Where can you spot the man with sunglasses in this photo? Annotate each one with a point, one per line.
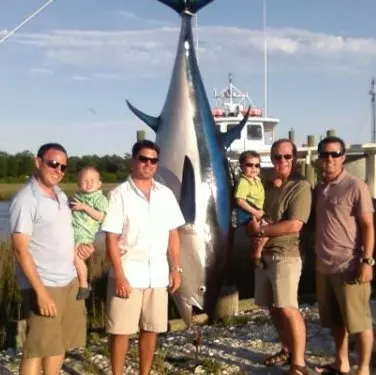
(287, 206)
(42, 238)
(143, 246)
(344, 252)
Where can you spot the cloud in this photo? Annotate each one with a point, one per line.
(134, 17)
(42, 71)
(79, 78)
(149, 52)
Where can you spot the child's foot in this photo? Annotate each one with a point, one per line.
(83, 293)
(258, 263)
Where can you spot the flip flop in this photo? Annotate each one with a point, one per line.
(329, 370)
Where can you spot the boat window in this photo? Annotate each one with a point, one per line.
(254, 132)
(231, 126)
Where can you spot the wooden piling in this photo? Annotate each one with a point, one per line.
(331, 133)
(309, 169)
(140, 135)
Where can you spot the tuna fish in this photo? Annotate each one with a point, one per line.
(194, 165)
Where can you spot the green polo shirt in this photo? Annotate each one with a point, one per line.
(251, 190)
(291, 201)
(85, 227)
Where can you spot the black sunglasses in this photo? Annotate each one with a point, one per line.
(55, 164)
(280, 157)
(333, 154)
(251, 165)
(145, 159)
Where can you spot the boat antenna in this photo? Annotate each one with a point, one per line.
(265, 61)
(372, 93)
(25, 21)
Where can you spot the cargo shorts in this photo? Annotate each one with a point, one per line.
(145, 309)
(48, 336)
(342, 299)
(276, 285)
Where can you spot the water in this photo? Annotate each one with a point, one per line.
(4, 226)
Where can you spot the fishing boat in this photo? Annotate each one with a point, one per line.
(229, 107)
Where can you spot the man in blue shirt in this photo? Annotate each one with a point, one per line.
(42, 239)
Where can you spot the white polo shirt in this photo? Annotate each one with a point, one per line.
(144, 227)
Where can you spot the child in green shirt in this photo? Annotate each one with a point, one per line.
(89, 207)
(250, 196)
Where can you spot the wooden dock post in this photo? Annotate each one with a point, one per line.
(331, 133)
(292, 135)
(371, 171)
(309, 169)
(140, 135)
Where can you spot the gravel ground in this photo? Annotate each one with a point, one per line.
(236, 346)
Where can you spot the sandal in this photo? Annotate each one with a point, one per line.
(329, 370)
(279, 359)
(297, 370)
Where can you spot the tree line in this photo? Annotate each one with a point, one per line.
(18, 167)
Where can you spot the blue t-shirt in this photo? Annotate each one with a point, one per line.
(49, 224)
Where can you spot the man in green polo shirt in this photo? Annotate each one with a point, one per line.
(287, 206)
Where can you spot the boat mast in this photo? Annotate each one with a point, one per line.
(265, 62)
(372, 93)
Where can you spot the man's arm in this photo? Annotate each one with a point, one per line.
(113, 252)
(365, 221)
(282, 228)
(122, 287)
(174, 260)
(20, 243)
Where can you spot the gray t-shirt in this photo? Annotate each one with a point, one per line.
(49, 223)
(338, 205)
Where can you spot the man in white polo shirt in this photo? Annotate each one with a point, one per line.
(143, 245)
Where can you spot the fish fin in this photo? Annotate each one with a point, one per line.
(180, 6)
(235, 132)
(153, 122)
(188, 192)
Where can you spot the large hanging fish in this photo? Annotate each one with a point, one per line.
(194, 165)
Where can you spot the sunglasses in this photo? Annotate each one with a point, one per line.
(55, 165)
(333, 154)
(251, 165)
(145, 159)
(280, 157)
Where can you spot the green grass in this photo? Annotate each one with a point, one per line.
(8, 190)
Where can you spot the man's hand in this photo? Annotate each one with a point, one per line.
(76, 205)
(175, 281)
(84, 251)
(365, 273)
(46, 305)
(122, 287)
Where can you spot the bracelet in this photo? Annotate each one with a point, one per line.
(177, 269)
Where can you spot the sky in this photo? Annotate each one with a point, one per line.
(65, 75)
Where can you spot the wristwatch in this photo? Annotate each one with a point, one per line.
(370, 261)
(177, 269)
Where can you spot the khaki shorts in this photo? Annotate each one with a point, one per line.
(145, 309)
(54, 336)
(342, 300)
(276, 285)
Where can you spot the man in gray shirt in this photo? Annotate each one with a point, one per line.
(344, 252)
(42, 239)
